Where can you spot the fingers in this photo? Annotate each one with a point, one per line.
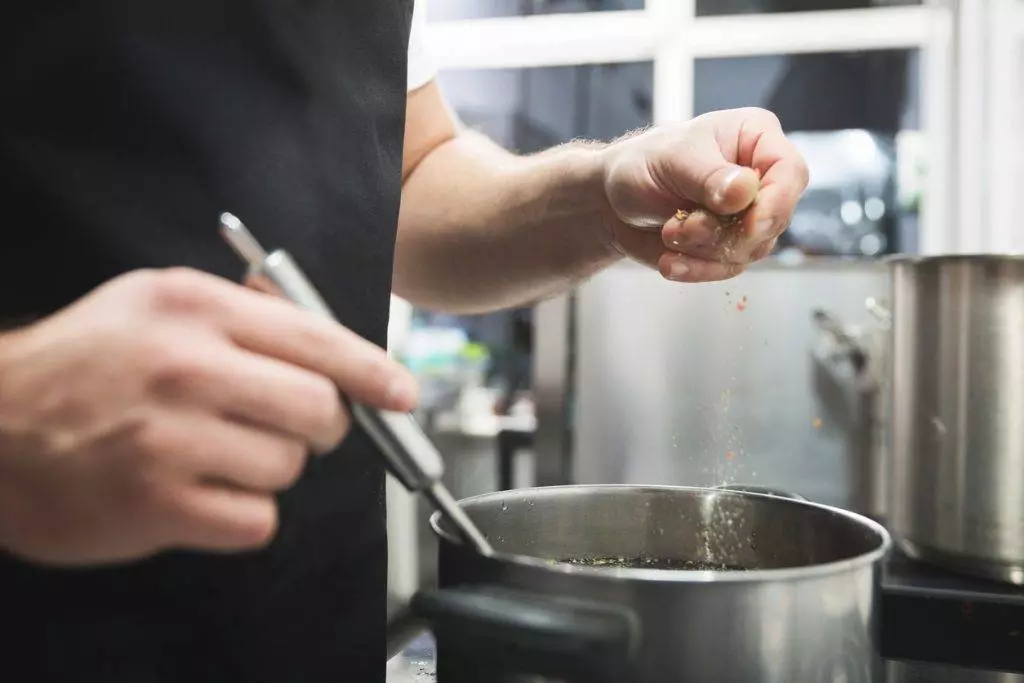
(211, 449)
(704, 236)
(784, 177)
(778, 160)
(770, 214)
(274, 327)
(223, 519)
(284, 398)
(684, 268)
(701, 173)
(764, 250)
(640, 245)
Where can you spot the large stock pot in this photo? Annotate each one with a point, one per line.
(957, 443)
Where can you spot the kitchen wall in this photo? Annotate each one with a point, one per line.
(714, 383)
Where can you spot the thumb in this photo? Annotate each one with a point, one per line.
(708, 178)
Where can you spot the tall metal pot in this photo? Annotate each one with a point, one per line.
(807, 610)
(957, 448)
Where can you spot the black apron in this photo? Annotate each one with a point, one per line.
(126, 127)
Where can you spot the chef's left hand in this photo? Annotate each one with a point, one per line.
(662, 183)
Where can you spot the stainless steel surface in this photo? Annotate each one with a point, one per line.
(552, 377)
(446, 504)
(828, 322)
(958, 402)
(278, 266)
(410, 455)
(880, 310)
(808, 613)
(761, 490)
(693, 385)
(241, 240)
(851, 363)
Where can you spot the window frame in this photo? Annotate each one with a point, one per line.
(966, 106)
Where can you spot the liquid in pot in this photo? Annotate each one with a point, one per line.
(651, 563)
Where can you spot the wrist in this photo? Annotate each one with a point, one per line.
(587, 164)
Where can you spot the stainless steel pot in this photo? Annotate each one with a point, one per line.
(806, 609)
(957, 425)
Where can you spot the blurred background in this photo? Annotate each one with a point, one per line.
(908, 113)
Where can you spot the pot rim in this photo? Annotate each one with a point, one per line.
(885, 544)
(1014, 257)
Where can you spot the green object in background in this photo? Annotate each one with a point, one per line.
(474, 351)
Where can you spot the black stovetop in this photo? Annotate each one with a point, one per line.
(936, 616)
(936, 627)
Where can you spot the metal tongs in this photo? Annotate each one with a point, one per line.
(409, 454)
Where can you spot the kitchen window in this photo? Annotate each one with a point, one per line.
(966, 59)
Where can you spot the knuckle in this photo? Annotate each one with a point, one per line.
(803, 172)
(153, 440)
(766, 116)
(172, 371)
(178, 290)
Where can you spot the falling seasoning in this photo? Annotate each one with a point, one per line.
(816, 423)
(729, 455)
(742, 304)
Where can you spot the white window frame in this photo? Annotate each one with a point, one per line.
(1005, 115)
(965, 120)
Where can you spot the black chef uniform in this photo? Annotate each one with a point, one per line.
(126, 128)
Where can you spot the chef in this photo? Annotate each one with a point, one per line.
(181, 495)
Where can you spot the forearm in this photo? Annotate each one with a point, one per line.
(483, 229)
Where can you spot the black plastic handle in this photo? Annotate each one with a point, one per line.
(487, 631)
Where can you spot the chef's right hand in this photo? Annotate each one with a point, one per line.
(164, 410)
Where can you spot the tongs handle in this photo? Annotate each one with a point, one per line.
(410, 455)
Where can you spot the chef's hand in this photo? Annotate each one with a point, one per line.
(164, 409)
(666, 184)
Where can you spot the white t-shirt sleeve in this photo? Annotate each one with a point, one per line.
(421, 68)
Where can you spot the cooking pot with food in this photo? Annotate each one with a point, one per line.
(659, 585)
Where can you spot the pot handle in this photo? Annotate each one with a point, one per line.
(879, 310)
(828, 322)
(489, 629)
